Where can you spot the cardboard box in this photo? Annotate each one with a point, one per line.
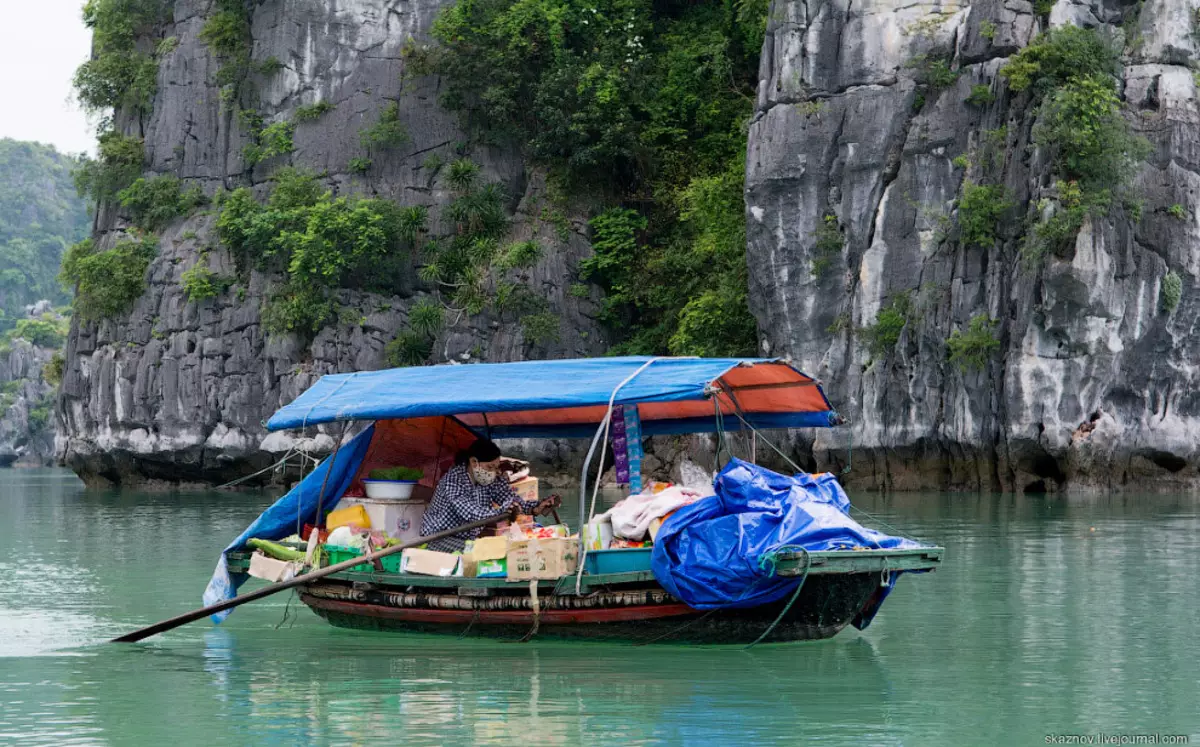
(270, 569)
(490, 548)
(542, 558)
(598, 534)
(428, 562)
(483, 550)
(526, 489)
(497, 568)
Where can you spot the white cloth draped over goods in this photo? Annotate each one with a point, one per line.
(631, 517)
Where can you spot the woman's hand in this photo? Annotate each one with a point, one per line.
(548, 505)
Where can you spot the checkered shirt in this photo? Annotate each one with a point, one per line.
(458, 500)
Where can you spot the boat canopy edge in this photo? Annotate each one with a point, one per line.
(567, 398)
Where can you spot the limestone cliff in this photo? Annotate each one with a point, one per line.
(1091, 385)
(871, 123)
(27, 395)
(176, 390)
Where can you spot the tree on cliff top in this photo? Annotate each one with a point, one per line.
(40, 215)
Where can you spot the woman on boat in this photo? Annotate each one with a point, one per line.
(474, 489)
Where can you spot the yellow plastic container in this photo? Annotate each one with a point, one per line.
(356, 515)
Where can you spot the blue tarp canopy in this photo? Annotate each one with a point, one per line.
(567, 398)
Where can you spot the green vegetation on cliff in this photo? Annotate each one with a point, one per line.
(107, 282)
(40, 216)
(123, 70)
(318, 241)
(1071, 73)
(642, 105)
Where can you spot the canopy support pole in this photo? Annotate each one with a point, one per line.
(601, 432)
(332, 459)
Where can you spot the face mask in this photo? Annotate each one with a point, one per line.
(483, 476)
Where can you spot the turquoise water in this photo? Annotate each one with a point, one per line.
(1051, 616)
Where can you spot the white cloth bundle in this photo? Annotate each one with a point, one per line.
(631, 517)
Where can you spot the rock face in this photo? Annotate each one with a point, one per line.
(177, 391)
(26, 401)
(1092, 385)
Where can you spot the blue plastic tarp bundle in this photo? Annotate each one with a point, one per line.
(717, 552)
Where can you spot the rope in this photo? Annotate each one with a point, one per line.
(768, 561)
(722, 442)
(768, 442)
(673, 631)
(469, 625)
(281, 462)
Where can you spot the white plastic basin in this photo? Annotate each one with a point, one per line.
(389, 489)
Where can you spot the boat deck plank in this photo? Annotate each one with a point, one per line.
(787, 564)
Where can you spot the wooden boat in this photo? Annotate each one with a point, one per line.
(840, 585)
(428, 413)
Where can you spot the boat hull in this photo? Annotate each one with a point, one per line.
(826, 604)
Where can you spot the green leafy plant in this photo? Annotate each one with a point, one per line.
(312, 112)
(227, 33)
(320, 242)
(579, 290)
(53, 371)
(120, 74)
(981, 95)
(400, 474)
(409, 348)
(1063, 215)
(541, 328)
(269, 66)
(1072, 73)
(987, 30)
(44, 332)
(979, 210)
(934, 71)
(200, 283)
(107, 282)
(961, 161)
(522, 254)
(359, 165)
(463, 174)
(118, 164)
(1170, 292)
(828, 245)
(274, 140)
(426, 317)
(972, 349)
(1060, 55)
(1081, 124)
(883, 334)
(396, 474)
(153, 203)
(1178, 212)
(811, 108)
(387, 132)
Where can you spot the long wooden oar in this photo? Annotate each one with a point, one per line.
(307, 578)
